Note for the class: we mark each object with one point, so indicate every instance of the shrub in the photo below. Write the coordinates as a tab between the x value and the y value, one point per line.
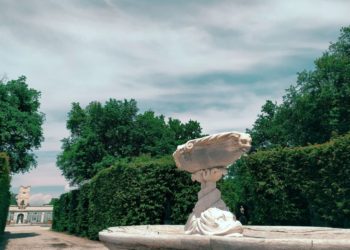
4	190
136	192
82	225
297	186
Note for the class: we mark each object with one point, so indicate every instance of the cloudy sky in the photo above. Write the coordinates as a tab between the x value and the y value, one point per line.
212	61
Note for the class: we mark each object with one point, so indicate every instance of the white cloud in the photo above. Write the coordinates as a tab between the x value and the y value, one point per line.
45	174
80	51
39	199
230	119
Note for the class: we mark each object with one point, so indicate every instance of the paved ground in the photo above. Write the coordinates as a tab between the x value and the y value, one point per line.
36	237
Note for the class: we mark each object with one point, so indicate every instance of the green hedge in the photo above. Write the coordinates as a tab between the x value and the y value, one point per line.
290	186
4	190
141	191
297	186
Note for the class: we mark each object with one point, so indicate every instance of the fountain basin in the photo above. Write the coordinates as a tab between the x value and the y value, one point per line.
254	237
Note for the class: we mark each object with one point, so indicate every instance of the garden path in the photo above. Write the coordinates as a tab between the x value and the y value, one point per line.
37	237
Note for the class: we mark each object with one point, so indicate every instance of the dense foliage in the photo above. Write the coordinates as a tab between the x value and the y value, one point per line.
102	133
13	200
20	123
141	191
4	190
314	110
296	186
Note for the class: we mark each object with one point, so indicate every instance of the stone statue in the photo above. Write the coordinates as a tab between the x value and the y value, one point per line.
207	159
242	216
22	197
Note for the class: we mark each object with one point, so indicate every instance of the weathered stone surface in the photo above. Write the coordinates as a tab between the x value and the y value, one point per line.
210	215
218	150
254	237
22	197
207	159
214	221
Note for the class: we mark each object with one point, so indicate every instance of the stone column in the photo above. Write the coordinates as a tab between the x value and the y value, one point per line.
42	217
25	217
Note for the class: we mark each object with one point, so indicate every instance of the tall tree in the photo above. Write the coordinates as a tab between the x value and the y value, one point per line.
13	200
316	108
100	134
20	123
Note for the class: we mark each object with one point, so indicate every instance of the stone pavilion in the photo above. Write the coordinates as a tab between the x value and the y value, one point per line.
24	213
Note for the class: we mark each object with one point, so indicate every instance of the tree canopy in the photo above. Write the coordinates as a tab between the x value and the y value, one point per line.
13	200
20	123
99	134
316	109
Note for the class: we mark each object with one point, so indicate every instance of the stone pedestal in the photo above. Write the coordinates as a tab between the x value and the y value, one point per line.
210	215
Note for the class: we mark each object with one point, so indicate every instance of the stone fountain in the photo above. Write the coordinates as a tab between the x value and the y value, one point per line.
207	160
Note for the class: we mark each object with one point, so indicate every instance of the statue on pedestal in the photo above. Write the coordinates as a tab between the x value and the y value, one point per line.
207	160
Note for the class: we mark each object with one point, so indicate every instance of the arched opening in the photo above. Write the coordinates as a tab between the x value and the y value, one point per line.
20	219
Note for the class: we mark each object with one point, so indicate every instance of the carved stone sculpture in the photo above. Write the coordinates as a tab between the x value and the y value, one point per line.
207	159
22	197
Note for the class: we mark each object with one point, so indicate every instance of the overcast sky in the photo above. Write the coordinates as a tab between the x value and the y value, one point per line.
212	61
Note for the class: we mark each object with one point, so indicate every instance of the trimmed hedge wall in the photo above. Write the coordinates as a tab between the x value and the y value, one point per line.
290	186
4	190
142	191
297	186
